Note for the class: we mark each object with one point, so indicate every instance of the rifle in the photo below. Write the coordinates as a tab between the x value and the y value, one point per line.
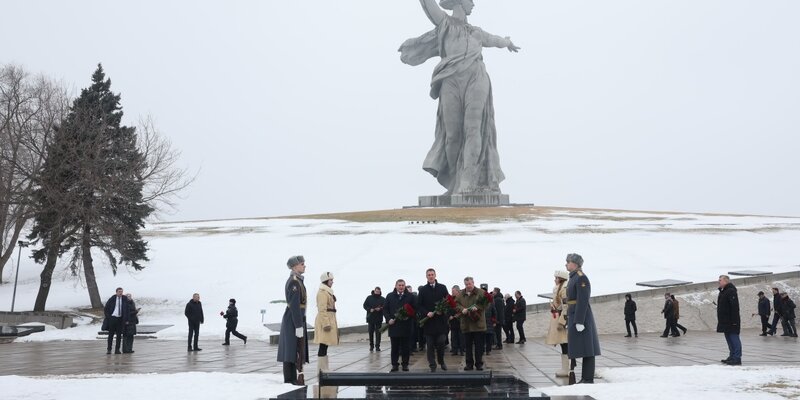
301	348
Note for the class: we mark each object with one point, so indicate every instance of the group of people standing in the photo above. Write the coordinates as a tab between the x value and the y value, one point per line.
121	318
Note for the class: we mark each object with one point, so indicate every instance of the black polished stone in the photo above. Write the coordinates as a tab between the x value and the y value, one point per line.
18	331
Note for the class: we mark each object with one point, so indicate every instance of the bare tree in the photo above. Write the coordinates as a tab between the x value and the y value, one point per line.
163	178
30	108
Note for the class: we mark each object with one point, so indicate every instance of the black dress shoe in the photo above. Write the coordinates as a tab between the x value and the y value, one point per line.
117	352
627	336
443	367
198	349
405	367
586	381
663	336
468	368
395	368
763	334
685	330
108	351
725	361
733	362
433	368
378	348
226	344
245	340
479	367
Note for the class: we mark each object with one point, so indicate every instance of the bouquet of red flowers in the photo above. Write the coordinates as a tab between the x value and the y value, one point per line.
401	315
446	304
482	302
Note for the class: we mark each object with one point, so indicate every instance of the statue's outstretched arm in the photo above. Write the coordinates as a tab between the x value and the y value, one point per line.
489	40
433	11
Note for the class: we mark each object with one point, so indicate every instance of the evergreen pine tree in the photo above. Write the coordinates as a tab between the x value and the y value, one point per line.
90	191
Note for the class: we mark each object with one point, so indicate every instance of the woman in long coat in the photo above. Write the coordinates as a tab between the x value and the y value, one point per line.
326	330
557	330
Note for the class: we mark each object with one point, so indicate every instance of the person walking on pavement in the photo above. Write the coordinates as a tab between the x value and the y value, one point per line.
373	304
788	306
729	319
399	330
232	321
764	308
669	317
677	314
116	315
582	338
557	320
520	314
630	316
435	328
194	314
130	325
292	346
326	328
776	307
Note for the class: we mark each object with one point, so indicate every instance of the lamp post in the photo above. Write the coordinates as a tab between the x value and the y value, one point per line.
21	244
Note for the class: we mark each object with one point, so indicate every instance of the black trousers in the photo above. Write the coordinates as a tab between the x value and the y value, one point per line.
789	327
375	334
521	330
587	369
764	323
489	341
289	373
127	343
115	327
670	327
400	349
456	341
474	348
194	333
228	332
498	335
509	328
628	324
435	344
775	320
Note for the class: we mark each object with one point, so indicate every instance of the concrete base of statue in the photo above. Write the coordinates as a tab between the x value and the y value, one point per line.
465	200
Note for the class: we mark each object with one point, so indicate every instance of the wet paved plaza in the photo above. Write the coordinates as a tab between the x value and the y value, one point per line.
533	362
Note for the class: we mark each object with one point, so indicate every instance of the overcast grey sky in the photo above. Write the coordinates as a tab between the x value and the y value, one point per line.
294	107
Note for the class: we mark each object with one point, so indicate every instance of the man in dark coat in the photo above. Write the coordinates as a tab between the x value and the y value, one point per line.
374	307
129	332
116	315
788	316
399	330
630	315
232	321
194	314
509	325
669	317
520	314
499	306
764	308
729	319
456	336
582	338
435	327
490	313
776	306
293	323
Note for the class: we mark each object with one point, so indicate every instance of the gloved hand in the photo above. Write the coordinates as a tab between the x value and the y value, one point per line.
221	314
579	327
327	329
298	332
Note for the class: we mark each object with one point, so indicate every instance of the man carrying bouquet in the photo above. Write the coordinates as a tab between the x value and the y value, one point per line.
471	303
433	305
399	314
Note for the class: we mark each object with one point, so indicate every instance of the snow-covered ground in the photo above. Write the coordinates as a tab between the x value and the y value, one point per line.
246	260
696	382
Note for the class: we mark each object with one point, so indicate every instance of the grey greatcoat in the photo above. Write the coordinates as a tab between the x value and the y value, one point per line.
294	317
586	343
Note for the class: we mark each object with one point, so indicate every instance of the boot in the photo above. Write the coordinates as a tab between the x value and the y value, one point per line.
322	363
564	372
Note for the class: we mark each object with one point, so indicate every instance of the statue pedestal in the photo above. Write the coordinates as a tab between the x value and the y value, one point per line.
465	200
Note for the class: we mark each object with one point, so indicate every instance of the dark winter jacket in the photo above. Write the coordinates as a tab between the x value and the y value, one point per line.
763	306
232	315
630	310
427	299
788	307
510	310
491	315
111	304
499	307
393	303
728	318
520	310
777	304
194	311
375	302
132	320
668	310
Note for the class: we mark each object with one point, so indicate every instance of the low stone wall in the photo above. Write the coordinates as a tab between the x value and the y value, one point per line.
58	319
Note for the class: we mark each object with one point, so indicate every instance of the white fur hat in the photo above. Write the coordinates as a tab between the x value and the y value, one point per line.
326	276
563	274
